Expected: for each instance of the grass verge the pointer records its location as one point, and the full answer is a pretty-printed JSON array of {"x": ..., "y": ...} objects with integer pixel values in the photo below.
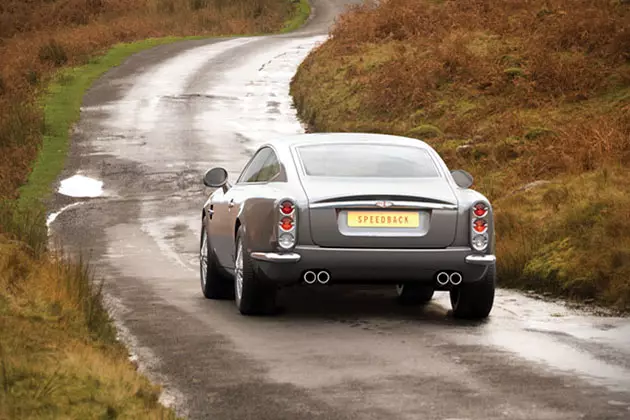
[
  {"x": 531, "y": 96},
  {"x": 59, "y": 357},
  {"x": 300, "y": 16}
]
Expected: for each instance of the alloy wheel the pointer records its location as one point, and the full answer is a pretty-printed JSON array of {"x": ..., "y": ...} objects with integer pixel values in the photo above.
[
  {"x": 238, "y": 270},
  {"x": 203, "y": 258}
]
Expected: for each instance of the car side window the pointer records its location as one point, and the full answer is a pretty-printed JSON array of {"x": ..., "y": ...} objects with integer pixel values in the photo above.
[
  {"x": 255, "y": 164},
  {"x": 270, "y": 169},
  {"x": 262, "y": 167}
]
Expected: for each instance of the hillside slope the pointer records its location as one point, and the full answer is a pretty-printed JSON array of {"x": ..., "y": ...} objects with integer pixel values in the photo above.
[{"x": 531, "y": 96}]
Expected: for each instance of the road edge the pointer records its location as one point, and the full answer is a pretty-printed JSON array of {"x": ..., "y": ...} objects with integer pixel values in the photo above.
[{"x": 63, "y": 98}]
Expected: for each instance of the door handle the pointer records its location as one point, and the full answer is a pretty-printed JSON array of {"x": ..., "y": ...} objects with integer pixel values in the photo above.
[{"x": 231, "y": 203}]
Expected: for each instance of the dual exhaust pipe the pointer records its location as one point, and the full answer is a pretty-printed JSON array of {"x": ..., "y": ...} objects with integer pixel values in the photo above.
[
  {"x": 310, "y": 277},
  {"x": 323, "y": 277},
  {"x": 444, "y": 278}
]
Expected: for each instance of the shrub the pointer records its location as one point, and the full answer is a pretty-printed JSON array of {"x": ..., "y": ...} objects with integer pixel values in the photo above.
[
  {"x": 54, "y": 53},
  {"x": 424, "y": 131}
]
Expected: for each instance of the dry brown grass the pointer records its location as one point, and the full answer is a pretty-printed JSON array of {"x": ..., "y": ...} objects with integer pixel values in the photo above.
[
  {"x": 37, "y": 37},
  {"x": 514, "y": 91},
  {"x": 59, "y": 357}
]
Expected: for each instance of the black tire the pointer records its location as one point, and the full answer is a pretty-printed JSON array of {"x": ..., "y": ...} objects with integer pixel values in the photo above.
[
  {"x": 214, "y": 283},
  {"x": 474, "y": 300},
  {"x": 414, "y": 293},
  {"x": 255, "y": 298}
]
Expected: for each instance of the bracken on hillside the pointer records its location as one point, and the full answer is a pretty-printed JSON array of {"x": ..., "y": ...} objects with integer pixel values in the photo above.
[{"x": 531, "y": 96}]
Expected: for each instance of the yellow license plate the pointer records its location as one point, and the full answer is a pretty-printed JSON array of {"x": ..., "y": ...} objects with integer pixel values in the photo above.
[{"x": 384, "y": 219}]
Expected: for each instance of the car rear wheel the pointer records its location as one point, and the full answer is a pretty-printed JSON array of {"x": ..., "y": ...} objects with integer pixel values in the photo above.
[
  {"x": 413, "y": 293},
  {"x": 252, "y": 297},
  {"x": 474, "y": 300},
  {"x": 214, "y": 284}
]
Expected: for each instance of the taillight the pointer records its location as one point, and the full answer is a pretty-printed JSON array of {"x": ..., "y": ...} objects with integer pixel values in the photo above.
[
  {"x": 287, "y": 207},
  {"x": 480, "y": 209},
  {"x": 480, "y": 225},
  {"x": 479, "y": 237},
  {"x": 287, "y": 221}
]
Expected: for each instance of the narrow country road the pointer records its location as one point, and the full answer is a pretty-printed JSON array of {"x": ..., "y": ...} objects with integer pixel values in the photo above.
[{"x": 150, "y": 128}]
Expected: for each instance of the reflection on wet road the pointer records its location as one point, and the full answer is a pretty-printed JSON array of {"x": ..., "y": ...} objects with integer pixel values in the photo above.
[{"x": 150, "y": 128}]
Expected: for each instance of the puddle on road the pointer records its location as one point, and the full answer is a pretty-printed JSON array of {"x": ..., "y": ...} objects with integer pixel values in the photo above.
[
  {"x": 80, "y": 186},
  {"x": 77, "y": 186}
]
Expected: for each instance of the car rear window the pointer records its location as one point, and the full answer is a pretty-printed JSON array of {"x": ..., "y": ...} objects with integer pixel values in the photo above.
[{"x": 367, "y": 160}]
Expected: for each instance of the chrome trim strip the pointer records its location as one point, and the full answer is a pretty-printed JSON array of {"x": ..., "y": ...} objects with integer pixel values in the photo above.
[
  {"x": 368, "y": 251},
  {"x": 395, "y": 205},
  {"x": 275, "y": 257},
  {"x": 481, "y": 259}
]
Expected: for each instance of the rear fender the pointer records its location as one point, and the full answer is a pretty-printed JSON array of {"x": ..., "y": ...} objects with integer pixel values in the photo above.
[{"x": 258, "y": 219}]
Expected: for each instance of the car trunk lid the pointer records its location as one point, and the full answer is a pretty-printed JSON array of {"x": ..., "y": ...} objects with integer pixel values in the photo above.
[{"x": 361, "y": 213}]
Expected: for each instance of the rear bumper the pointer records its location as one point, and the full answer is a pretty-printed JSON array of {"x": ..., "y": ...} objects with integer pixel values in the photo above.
[{"x": 360, "y": 265}]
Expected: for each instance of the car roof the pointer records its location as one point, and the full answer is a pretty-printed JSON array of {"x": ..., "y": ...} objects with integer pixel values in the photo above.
[{"x": 331, "y": 138}]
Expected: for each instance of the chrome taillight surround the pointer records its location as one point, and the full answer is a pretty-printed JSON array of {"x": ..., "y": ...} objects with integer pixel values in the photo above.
[
  {"x": 479, "y": 226},
  {"x": 286, "y": 236}
]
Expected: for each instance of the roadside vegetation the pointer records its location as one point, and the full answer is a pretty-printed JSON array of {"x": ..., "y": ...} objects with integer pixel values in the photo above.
[
  {"x": 59, "y": 357},
  {"x": 530, "y": 96}
]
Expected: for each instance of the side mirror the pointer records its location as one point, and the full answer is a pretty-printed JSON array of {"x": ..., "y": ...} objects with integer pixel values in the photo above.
[
  {"x": 215, "y": 178},
  {"x": 462, "y": 178}
]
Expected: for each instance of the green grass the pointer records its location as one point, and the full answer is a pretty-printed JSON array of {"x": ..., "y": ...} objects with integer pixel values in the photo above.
[
  {"x": 64, "y": 96},
  {"x": 302, "y": 12}
]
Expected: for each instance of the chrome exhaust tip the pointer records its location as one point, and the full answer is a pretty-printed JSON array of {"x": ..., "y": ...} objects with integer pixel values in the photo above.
[
  {"x": 456, "y": 279},
  {"x": 310, "y": 277},
  {"x": 323, "y": 277},
  {"x": 442, "y": 278}
]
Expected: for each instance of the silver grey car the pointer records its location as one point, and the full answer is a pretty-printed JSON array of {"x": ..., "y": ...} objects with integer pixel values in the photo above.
[{"x": 347, "y": 208}]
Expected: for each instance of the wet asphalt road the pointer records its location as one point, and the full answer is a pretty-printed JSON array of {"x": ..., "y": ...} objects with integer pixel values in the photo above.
[{"x": 150, "y": 128}]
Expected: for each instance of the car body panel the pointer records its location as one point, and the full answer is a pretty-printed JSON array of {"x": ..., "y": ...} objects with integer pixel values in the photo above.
[{"x": 431, "y": 199}]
